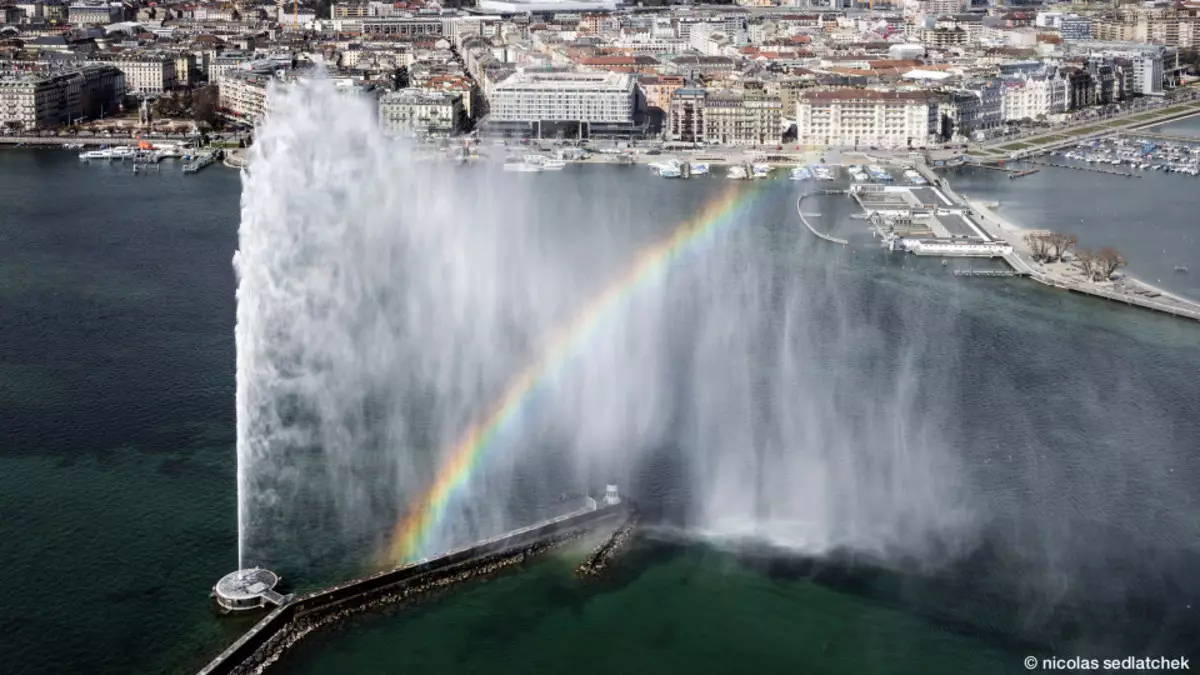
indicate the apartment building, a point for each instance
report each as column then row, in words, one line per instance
column 735, row 118
column 1033, row 96
column 243, row 93
column 865, row 117
column 145, row 73
column 686, row 116
column 658, row 90
column 411, row 112
column 32, row 102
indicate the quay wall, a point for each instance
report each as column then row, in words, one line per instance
column 267, row 640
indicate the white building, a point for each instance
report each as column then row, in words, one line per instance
column 603, row 97
column 1033, row 96
column 412, row 111
column 89, row 13
column 243, row 93
column 145, row 73
column 864, row 117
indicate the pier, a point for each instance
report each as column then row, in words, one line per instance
column 990, row 273
column 1131, row 292
column 295, row 618
column 1093, row 169
column 819, row 234
column 1012, row 173
column 200, row 161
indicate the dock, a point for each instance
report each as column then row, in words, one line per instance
column 200, row 161
column 1093, row 169
column 296, row 617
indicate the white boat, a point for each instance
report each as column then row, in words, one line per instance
column 698, row 169
column 122, row 152
column 761, row 170
column 95, row 155
column 670, row 172
column 736, row 173
column 522, row 167
column 554, row 165
column 800, row 173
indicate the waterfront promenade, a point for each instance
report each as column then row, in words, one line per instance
column 1054, row 139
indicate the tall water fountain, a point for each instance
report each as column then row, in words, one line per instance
column 386, row 303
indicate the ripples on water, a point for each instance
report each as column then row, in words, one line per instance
column 1006, row 462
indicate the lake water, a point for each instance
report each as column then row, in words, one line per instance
column 1073, row 423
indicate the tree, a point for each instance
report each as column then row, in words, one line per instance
column 204, row 106
column 1086, row 259
column 1108, row 261
column 1060, row 243
column 1038, row 243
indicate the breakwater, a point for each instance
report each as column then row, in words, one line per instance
column 600, row 557
column 284, row 626
column 822, row 235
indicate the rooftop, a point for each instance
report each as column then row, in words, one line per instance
column 550, row 80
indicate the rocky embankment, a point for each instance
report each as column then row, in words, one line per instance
column 601, row 556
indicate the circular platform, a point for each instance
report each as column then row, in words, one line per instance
column 245, row 589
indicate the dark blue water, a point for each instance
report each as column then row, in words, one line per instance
column 1075, row 423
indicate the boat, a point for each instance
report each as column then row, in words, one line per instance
column 554, row 165
column 800, row 173
column 95, row 155
column 736, row 173
column 122, row 152
column 1182, row 269
column 698, row 168
column 761, row 170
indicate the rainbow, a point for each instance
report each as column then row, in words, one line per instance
column 412, row 532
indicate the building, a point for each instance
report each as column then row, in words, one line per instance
column 243, row 93
column 1033, row 96
column 89, row 13
column 686, row 116
column 32, row 102
column 866, row 117
column 734, row 118
column 145, row 73
column 1153, row 65
column 411, row 112
column 1075, row 28
column 589, row 102
column 403, row 27
column 658, row 90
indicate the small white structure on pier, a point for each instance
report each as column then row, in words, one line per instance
column 611, row 498
column 247, row 589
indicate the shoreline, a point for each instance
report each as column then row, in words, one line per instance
column 1056, row 276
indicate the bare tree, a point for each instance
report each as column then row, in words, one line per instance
column 1060, row 243
column 204, row 106
column 1108, row 261
column 1039, row 244
column 1086, row 259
